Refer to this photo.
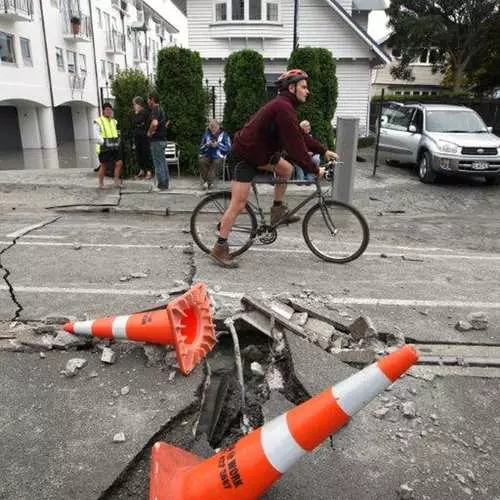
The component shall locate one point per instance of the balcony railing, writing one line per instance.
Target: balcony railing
(17, 10)
(140, 52)
(77, 27)
(115, 42)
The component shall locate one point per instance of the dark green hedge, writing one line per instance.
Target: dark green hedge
(244, 86)
(179, 83)
(320, 106)
(126, 85)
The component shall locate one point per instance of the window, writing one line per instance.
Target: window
(433, 56)
(71, 57)
(83, 65)
(397, 118)
(60, 58)
(26, 51)
(103, 68)
(221, 12)
(99, 17)
(117, 68)
(272, 11)
(111, 70)
(423, 56)
(255, 9)
(7, 53)
(418, 120)
(107, 22)
(238, 11)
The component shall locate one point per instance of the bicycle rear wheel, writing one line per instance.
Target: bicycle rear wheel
(335, 231)
(205, 221)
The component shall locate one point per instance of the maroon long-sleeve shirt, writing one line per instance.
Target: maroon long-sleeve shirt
(274, 128)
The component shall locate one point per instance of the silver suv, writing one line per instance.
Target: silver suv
(440, 139)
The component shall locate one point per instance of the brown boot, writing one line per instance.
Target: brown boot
(220, 254)
(278, 212)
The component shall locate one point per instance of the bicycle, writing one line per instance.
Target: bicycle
(327, 223)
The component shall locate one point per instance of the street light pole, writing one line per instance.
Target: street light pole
(295, 22)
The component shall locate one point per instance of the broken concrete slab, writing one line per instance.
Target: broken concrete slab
(65, 340)
(71, 421)
(275, 406)
(358, 357)
(320, 328)
(282, 309)
(315, 368)
(362, 328)
(255, 319)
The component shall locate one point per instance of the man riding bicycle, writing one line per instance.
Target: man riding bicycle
(258, 147)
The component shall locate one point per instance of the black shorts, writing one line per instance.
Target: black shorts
(111, 156)
(246, 172)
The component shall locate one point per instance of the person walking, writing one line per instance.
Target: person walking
(140, 123)
(108, 145)
(215, 146)
(157, 133)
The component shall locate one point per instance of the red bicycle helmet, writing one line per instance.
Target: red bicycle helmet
(291, 76)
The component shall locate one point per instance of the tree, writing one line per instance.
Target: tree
(320, 106)
(179, 83)
(125, 86)
(244, 86)
(458, 31)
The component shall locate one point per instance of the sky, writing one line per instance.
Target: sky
(377, 25)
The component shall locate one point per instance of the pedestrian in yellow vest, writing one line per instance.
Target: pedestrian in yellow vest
(108, 144)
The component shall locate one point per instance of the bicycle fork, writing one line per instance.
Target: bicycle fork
(328, 220)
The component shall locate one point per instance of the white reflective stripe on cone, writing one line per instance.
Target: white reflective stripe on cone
(83, 327)
(356, 391)
(280, 447)
(119, 328)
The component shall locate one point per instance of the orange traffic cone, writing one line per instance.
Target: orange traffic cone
(248, 468)
(186, 322)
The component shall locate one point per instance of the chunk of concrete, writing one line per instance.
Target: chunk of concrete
(108, 356)
(64, 340)
(73, 365)
(320, 328)
(463, 326)
(299, 318)
(39, 342)
(282, 309)
(478, 320)
(313, 367)
(362, 328)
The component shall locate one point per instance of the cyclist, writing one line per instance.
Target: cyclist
(258, 147)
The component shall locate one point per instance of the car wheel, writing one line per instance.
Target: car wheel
(492, 181)
(425, 173)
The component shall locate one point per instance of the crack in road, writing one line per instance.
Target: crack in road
(7, 273)
(189, 250)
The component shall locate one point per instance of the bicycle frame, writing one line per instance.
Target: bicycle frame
(318, 193)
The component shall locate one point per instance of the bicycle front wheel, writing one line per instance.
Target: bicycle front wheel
(335, 231)
(205, 223)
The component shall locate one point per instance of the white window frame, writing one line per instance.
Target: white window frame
(246, 12)
(11, 40)
(72, 66)
(60, 52)
(82, 64)
(99, 17)
(27, 59)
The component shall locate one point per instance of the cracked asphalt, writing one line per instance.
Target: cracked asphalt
(77, 261)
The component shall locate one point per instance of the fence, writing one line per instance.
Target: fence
(488, 109)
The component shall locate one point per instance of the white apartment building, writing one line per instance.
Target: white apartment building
(58, 57)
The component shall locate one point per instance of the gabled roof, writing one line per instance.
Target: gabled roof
(365, 37)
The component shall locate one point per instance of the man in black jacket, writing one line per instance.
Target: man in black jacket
(257, 147)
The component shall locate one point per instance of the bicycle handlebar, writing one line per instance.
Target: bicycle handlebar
(330, 167)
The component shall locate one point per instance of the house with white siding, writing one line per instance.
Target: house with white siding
(216, 28)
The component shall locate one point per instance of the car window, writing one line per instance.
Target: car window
(454, 121)
(397, 119)
(418, 120)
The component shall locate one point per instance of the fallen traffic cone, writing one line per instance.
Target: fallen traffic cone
(248, 468)
(186, 323)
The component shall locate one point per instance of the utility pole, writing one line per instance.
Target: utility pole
(295, 23)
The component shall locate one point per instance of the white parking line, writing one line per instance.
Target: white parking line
(367, 301)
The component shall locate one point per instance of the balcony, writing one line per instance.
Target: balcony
(16, 10)
(115, 42)
(77, 27)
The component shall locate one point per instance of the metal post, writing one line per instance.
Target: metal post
(213, 102)
(347, 146)
(378, 125)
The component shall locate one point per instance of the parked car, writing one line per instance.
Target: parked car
(441, 140)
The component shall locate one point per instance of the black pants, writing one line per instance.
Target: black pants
(143, 154)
